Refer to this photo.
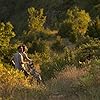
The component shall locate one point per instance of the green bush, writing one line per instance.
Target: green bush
(6, 33)
(58, 45)
(94, 28)
(36, 19)
(69, 56)
(50, 62)
(38, 46)
(76, 23)
(88, 51)
(92, 78)
(56, 64)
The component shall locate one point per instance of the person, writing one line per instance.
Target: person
(29, 67)
(26, 66)
(21, 62)
(24, 54)
(18, 60)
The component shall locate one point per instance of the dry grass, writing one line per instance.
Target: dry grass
(14, 86)
(66, 86)
(72, 73)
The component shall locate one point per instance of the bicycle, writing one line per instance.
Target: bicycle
(30, 69)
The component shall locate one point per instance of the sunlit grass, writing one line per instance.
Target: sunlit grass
(66, 86)
(14, 85)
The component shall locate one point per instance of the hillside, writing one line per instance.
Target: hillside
(62, 39)
(68, 85)
(16, 11)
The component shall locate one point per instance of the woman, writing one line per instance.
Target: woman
(25, 56)
(27, 67)
(26, 59)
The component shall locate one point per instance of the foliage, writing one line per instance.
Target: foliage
(6, 33)
(88, 50)
(49, 50)
(76, 23)
(9, 78)
(92, 78)
(36, 19)
(37, 46)
(41, 57)
(94, 28)
(69, 56)
(94, 7)
(58, 45)
(50, 62)
(55, 10)
(56, 64)
(13, 84)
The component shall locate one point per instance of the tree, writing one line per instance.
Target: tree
(36, 19)
(76, 23)
(6, 33)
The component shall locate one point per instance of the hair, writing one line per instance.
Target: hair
(19, 47)
(25, 48)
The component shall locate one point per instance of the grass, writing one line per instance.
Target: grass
(66, 86)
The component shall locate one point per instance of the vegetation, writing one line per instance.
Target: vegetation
(76, 24)
(63, 40)
(6, 33)
(36, 19)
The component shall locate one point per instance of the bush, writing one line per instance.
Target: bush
(88, 51)
(36, 19)
(6, 33)
(50, 63)
(58, 45)
(69, 56)
(92, 78)
(38, 46)
(76, 23)
(14, 86)
(94, 28)
(49, 69)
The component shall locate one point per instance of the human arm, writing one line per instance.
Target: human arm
(12, 60)
(22, 60)
(26, 57)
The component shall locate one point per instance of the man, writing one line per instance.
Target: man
(18, 60)
(21, 62)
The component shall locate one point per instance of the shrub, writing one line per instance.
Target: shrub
(6, 33)
(69, 56)
(94, 28)
(36, 19)
(76, 23)
(58, 45)
(38, 46)
(88, 51)
(14, 86)
(49, 69)
(92, 78)
(41, 57)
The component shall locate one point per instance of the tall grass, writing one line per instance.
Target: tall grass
(14, 86)
(66, 86)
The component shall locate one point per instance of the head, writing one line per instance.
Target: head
(25, 49)
(20, 49)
